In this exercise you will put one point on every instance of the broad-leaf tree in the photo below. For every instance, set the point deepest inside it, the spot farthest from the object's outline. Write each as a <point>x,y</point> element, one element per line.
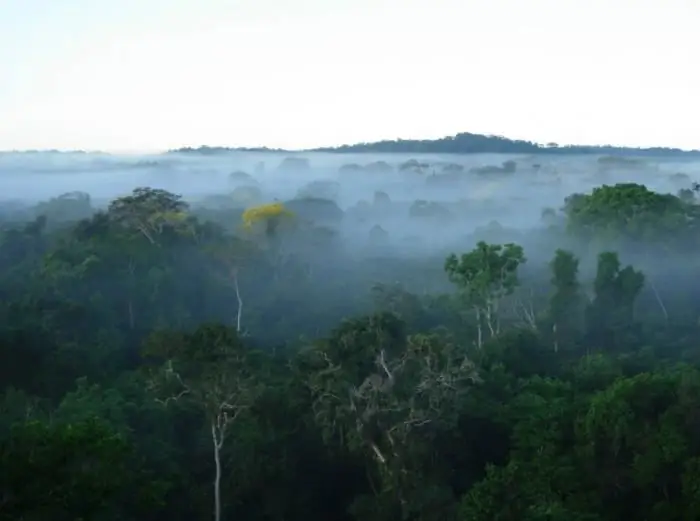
<point>484,276</point>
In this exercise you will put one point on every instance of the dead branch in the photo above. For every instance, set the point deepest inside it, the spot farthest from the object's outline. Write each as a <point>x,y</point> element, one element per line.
<point>171,373</point>
<point>145,232</point>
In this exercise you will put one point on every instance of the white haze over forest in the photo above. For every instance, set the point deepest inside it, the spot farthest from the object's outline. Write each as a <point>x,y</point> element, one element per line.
<point>461,192</point>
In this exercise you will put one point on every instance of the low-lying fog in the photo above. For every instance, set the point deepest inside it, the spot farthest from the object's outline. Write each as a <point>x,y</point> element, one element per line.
<point>416,202</point>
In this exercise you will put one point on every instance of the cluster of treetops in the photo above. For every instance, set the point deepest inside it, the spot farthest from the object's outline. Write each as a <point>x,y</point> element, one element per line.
<point>155,366</point>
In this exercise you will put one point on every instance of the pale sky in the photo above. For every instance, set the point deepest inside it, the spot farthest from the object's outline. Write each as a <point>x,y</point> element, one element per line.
<point>158,74</point>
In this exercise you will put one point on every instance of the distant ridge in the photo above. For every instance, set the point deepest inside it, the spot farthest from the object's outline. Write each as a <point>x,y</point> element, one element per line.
<point>463,143</point>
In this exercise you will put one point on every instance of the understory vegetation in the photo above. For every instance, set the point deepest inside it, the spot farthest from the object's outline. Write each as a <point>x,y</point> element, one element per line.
<point>162,363</point>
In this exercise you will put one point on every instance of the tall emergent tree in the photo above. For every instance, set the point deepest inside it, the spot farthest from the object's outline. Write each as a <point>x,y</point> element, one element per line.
<point>484,277</point>
<point>388,395</point>
<point>148,211</point>
<point>566,302</point>
<point>209,368</point>
<point>611,312</point>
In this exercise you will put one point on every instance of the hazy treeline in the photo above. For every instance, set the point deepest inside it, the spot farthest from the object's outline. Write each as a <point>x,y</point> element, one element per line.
<point>465,143</point>
<point>499,338</point>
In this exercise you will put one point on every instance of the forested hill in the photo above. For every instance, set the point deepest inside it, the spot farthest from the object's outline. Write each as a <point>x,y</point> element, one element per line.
<point>464,143</point>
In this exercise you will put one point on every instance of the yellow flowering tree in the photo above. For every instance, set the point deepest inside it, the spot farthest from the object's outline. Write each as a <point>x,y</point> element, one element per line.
<point>266,216</point>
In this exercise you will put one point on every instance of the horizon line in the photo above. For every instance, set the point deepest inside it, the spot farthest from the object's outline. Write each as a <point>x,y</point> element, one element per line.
<point>550,146</point>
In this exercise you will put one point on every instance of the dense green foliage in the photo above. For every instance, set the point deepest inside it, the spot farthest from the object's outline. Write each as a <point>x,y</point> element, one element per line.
<point>159,365</point>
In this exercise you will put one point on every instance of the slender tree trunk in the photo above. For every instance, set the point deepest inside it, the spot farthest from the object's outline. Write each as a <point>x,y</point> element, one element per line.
<point>217,478</point>
<point>489,319</point>
<point>658,297</point>
<point>378,453</point>
<point>239,313</point>
<point>479,334</point>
